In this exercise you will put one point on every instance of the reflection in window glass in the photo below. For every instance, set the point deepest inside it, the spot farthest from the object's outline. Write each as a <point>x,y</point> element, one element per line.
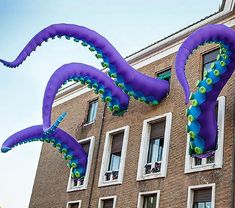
<point>150,201</point>
<point>208,59</point>
<point>115,161</point>
<point>155,150</point>
<point>91,116</point>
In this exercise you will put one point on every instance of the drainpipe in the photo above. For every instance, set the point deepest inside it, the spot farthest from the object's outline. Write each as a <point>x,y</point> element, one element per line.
<point>233,159</point>
<point>97,153</point>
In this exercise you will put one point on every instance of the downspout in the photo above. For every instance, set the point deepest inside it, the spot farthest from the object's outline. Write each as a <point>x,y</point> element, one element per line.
<point>97,153</point>
<point>233,159</point>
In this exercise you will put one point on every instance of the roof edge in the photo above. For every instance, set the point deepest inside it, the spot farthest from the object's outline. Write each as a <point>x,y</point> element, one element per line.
<point>225,9</point>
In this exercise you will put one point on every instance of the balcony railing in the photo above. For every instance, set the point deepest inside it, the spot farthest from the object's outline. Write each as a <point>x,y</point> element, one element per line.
<point>111,175</point>
<point>77,182</point>
<point>151,168</point>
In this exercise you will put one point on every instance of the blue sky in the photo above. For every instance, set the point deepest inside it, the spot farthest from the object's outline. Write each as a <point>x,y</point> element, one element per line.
<point>128,25</point>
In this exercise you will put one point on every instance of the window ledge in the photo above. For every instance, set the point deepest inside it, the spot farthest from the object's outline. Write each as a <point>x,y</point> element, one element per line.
<point>76,189</point>
<point>87,124</point>
<point>110,183</point>
<point>151,176</point>
<point>203,168</point>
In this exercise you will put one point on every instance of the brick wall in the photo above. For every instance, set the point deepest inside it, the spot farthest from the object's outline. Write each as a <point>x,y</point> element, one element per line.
<point>52,175</point>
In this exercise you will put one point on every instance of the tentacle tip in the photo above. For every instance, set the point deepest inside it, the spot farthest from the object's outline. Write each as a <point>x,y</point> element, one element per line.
<point>3,62</point>
<point>5,149</point>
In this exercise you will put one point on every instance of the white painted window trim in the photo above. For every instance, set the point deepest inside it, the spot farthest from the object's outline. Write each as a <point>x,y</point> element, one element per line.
<point>191,190</point>
<point>141,197</point>
<point>87,124</point>
<point>74,202</point>
<point>89,161</point>
<point>101,199</point>
<point>218,161</point>
<point>145,146</point>
<point>106,157</point>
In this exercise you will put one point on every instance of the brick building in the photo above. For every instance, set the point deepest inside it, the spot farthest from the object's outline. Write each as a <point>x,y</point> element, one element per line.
<point>141,159</point>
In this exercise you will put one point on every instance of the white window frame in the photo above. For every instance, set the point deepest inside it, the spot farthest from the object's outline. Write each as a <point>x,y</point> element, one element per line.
<point>70,188</point>
<point>191,190</point>
<point>143,194</point>
<point>86,123</point>
<point>218,159</point>
<point>106,157</point>
<point>101,199</point>
<point>145,146</point>
<point>74,202</point>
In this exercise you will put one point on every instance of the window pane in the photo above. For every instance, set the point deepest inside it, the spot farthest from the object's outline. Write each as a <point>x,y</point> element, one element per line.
<point>92,111</point>
<point>208,59</point>
<point>197,161</point>
<point>150,201</point>
<point>156,142</point>
<point>155,150</point>
<point>202,195</point>
<point>115,161</point>
<point>210,159</point>
<point>208,204</point>
<point>158,129</point>
<point>207,67</point>
<point>74,205</point>
<point>202,205</point>
<point>116,150</point>
<point>117,140</point>
<point>108,203</point>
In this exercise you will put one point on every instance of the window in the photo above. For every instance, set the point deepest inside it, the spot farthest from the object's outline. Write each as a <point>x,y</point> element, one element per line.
<point>149,199</point>
<point>201,196</point>
<point>116,150</point>
<point>74,204</point>
<point>193,164</point>
<point>114,154</point>
<point>154,147</point>
<point>92,110</point>
<point>115,157</point>
<point>107,202</point>
<point>210,159</point>
<point>164,74</point>
<point>81,184</point>
<point>208,59</point>
<point>156,143</point>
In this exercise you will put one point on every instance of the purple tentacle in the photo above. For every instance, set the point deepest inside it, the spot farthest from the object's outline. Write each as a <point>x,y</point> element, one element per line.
<point>66,144</point>
<point>117,100</point>
<point>140,86</point>
<point>199,37</point>
<point>202,126</point>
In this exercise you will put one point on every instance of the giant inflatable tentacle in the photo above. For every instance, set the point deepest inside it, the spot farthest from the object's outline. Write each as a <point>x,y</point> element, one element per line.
<point>65,143</point>
<point>206,34</point>
<point>202,126</point>
<point>144,88</point>
<point>94,78</point>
